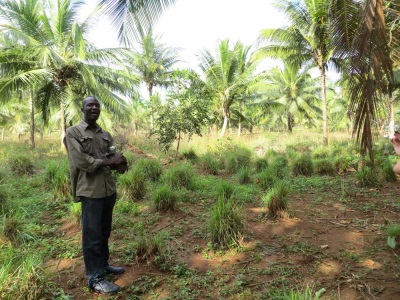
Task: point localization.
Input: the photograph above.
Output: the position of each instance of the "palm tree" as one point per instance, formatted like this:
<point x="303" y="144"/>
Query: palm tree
<point x="360" y="36"/>
<point x="306" y="39"/>
<point x="153" y="62"/>
<point x="293" y="94"/>
<point x="134" y="18"/>
<point x="230" y="76"/>
<point x="47" y="53"/>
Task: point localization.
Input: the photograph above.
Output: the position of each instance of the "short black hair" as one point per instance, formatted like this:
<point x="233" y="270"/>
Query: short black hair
<point x="88" y="98"/>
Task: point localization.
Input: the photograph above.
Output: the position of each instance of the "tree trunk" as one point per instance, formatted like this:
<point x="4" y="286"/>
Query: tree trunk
<point x="32" y="121"/>
<point x="240" y="120"/>
<point x="150" y="89"/>
<point x="225" y="124"/>
<point x="2" y="134"/>
<point x="179" y="142"/>
<point x="290" y="122"/>
<point x="324" y="106"/>
<point x="63" y="126"/>
<point x="391" y="115"/>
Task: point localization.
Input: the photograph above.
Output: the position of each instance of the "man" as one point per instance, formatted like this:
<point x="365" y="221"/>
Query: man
<point x="91" y="160"/>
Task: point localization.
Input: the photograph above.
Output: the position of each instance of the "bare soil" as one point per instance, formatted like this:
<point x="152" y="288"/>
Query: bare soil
<point x="325" y="241"/>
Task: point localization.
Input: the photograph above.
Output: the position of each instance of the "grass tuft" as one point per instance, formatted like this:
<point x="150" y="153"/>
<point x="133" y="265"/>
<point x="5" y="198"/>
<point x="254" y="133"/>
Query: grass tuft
<point x="277" y="199"/>
<point x="226" y="224"/>
<point x="165" y="198"/>
<point x="302" y="165"/>
<point x="180" y="176"/>
<point x="133" y="184"/>
<point x="150" y="167"/>
<point x="21" y="165"/>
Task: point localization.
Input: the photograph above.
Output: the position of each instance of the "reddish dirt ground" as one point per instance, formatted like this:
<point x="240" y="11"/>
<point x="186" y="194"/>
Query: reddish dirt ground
<point x="323" y="242"/>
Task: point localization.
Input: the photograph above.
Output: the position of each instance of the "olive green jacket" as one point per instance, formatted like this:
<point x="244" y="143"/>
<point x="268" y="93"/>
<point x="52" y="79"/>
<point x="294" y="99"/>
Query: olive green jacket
<point x="87" y="148"/>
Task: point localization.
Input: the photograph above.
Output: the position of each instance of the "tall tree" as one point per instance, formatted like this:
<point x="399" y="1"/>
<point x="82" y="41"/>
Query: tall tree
<point x="230" y="75"/>
<point x="47" y="52"/>
<point x="359" y="36"/>
<point x="293" y="94"/>
<point x="306" y="39"/>
<point x="153" y="62"/>
<point x="134" y="18"/>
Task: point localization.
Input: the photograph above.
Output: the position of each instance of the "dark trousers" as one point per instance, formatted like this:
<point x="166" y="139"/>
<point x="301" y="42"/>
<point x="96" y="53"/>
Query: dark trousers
<point x="96" y="229"/>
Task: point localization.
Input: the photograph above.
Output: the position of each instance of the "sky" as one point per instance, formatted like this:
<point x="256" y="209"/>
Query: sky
<point x="192" y="25"/>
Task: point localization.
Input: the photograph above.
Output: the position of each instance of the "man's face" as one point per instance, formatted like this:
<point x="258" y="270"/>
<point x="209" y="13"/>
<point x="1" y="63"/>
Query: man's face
<point x="91" y="110"/>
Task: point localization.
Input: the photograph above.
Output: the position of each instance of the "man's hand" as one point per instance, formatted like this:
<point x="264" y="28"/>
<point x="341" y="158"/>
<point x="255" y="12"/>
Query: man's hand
<point x="122" y="168"/>
<point x="115" y="161"/>
<point x="395" y="140"/>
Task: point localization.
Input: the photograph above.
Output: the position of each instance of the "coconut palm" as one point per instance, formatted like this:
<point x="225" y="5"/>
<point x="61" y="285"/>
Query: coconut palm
<point x="46" y="52"/>
<point x="298" y="94"/>
<point x="306" y="39"/>
<point x="134" y="18"/>
<point x="291" y="96"/>
<point x="359" y="36"/>
<point x="230" y="76"/>
<point x="153" y="62"/>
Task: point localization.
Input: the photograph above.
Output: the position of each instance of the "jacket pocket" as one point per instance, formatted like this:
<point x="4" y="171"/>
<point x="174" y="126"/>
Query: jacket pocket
<point x="86" y="143"/>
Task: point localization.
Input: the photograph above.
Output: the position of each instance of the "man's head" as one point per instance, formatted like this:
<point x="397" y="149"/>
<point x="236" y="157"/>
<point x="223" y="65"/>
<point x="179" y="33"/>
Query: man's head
<point x="90" y="109"/>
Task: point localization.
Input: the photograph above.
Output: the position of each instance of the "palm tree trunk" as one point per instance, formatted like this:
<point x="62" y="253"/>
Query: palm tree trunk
<point x="63" y="125"/>
<point x="150" y="89"/>
<point x="32" y="121"/>
<point x="290" y="122"/>
<point x="240" y="122"/>
<point x="324" y="106"/>
<point x="391" y="113"/>
<point x="225" y="124"/>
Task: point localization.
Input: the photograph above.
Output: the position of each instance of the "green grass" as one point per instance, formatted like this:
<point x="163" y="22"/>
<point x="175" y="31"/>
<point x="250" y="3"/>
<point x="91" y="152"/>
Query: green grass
<point x="226" y="224"/>
<point x="181" y="175"/>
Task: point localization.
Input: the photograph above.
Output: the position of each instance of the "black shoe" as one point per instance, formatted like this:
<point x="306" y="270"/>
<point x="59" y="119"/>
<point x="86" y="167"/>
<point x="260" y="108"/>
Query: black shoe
<point x="104" y="287"/>
<point x="114" y="270"/>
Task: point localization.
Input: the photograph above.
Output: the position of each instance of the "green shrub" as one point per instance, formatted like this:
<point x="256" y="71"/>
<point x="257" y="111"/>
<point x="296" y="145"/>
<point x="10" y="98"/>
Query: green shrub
<point x="226" y="224"/>
<point x="345" y="163"/>
<point x="393" y="232"/>
<point x="4" y="200"/>
<point x="21" y="165"/>
<point x="150" y="246"/>
<point x="243" y="176"/>
<point x="225" y="189"/>
<point x="133" y="184"/>
<point x="164" y="198"/>
<point x="21" y="275"/>
<point x="181" y="175"/>
<point x="277" y="199"/>
<point x="321" y="152"/>
<point x="387" y="171"/>
<point x="130" y="158"/>
<point x="302" y="165"/>
<point x="367" y="177"/>
<point x="75" y="211"/>
<point x="324" y="166"/>
<point x="236" y="158"/>
<point x="189" y="154"/>
<point x="58" y="177"/>
<point x="209" y="163"/>
<point x="12" y="228"/>
<point x="279" y="165"/>
<point x="260" y="164"/>
<point x="150" y="167"/>
<point x="267" y="178"/>
<point x="127" y="207"/>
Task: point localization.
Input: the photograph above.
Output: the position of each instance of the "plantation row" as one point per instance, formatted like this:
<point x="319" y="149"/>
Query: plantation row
<point x="35" y="201"/>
